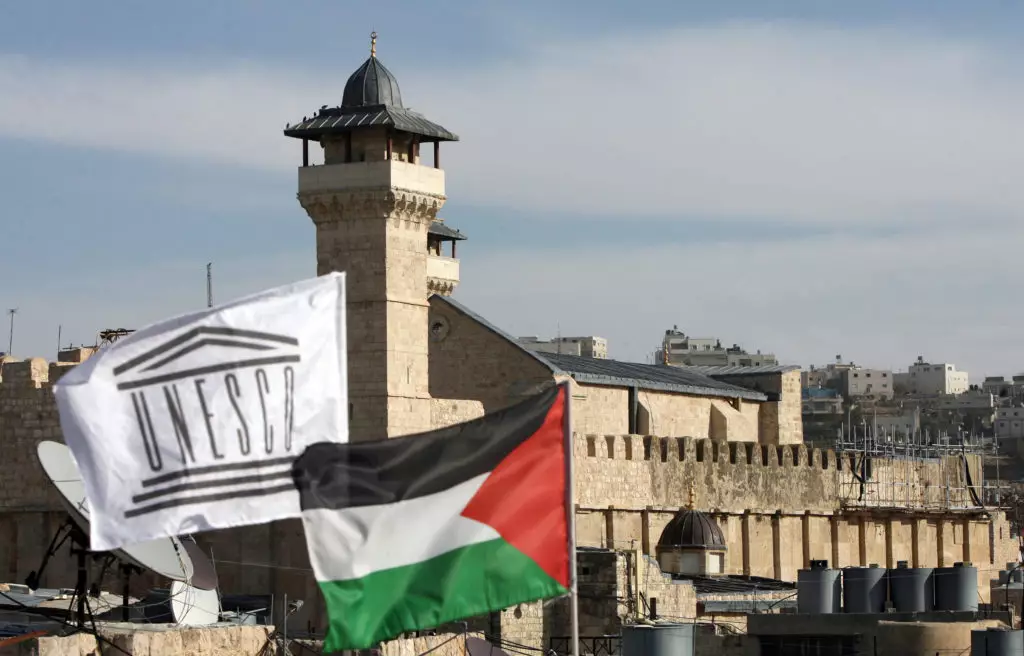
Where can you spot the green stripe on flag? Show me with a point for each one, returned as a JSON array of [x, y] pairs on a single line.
[[459, 584]]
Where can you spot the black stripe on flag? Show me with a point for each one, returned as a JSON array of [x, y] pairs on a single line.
[[335, 475]]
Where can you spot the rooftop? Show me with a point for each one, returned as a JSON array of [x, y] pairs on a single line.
[[439, 229], [666, 378], [743, 371], [371, 99]]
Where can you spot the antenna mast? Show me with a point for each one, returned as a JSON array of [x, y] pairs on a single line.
[[10, 335], [209, 285]]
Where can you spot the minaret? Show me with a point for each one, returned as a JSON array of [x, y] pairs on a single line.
[[373, 203]]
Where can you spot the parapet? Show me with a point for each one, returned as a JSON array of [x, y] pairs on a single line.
[[690, 449], [33, 373]]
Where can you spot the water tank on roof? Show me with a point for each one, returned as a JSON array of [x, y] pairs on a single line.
[[658, 640], [864, 589], [818, 590], [997, 642], [956, 587], [912, 588]]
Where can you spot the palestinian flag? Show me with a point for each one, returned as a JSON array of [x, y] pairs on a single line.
[[413, 532]]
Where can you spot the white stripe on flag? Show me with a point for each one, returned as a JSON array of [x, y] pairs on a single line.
[[354, 542]]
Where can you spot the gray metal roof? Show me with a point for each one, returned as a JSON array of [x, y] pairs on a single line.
[[692, 529], [734, 584], [747, 605], [371, 84], [742, 371], [439, 229], [339, 120], [658, 377]]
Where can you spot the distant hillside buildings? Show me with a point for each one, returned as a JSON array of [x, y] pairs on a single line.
[[587, 347], [932, 378], [679, 348]]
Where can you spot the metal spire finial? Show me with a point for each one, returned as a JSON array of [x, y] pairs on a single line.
[[693, 494], [373, 44]]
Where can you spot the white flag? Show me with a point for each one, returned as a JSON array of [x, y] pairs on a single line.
[[193, 423]]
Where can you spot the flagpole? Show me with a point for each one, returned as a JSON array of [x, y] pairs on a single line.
[[570, 504]]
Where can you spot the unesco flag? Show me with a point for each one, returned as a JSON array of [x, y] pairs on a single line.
[[194, 423]]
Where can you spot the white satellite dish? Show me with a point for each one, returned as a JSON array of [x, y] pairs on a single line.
[[169, 557], [191, 606]]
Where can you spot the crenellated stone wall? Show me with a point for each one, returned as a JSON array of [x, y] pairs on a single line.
[[778, 506]]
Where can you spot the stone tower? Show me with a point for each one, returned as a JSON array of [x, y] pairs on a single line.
[[374, 204]]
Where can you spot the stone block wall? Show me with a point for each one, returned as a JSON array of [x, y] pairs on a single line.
[[470, 361], [781, 422], [635, 471], [779, 506], [446, 412], [613, 586], [605, 410]]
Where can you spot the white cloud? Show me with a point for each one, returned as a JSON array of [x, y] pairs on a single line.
[[782, 121], [774, 121], [877, 301]]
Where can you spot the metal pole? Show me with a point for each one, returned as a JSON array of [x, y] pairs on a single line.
[[570, 503], [209, 284], [10, 338]]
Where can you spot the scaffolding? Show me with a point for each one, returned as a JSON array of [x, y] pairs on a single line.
[[913, 469]]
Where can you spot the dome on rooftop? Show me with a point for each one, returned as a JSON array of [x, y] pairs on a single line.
[[692, 529], [371, 84]]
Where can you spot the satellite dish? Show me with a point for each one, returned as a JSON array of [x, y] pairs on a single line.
[[191, 606], [168, 557], [480, 647], [204, 576]]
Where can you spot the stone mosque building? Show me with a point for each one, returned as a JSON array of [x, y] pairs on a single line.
[[694, 490]]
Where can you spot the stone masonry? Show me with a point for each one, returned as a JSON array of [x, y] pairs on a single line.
[[377, 234], [778, 506]]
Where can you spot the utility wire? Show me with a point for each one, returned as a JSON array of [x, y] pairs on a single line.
[[28, 610]]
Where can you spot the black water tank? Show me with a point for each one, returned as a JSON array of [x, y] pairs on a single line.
[[956, 587], [912, 588], [997, 642], [864, 589], [818, 590]]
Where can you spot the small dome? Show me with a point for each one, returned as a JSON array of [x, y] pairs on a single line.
[[692, 529], [371, 84]]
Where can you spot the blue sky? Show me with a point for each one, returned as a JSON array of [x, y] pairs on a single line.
[[808, 178]]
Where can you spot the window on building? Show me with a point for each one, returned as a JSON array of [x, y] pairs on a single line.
[[885, 375]]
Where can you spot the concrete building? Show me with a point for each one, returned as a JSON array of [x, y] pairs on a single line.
[[969, 401], [1010, 422], [895, 422], [821, 401], [860, 382], [641, 434], [587, 347], [1001, 388], [681, 349], [932, 378]]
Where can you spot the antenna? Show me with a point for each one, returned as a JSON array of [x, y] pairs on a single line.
[[209, 284], [58, 340], [194, 600], [10, 334]]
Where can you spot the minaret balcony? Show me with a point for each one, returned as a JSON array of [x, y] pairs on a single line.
[[327, 178], [442, 274]]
